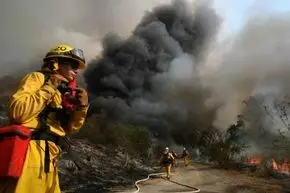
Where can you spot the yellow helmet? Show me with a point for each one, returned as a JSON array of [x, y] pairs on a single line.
[[66, 51]]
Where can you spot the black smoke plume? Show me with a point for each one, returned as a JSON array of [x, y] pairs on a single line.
[[151, 78]]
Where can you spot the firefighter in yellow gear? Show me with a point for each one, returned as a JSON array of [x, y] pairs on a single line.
[[167, 160], [33, 96], [185, 156]]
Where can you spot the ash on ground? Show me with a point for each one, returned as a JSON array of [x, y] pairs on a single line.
[[102, 169]]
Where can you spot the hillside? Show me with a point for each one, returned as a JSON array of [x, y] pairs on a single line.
[[104, 169]]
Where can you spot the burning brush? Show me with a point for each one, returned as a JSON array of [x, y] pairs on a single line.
[[274, 165]]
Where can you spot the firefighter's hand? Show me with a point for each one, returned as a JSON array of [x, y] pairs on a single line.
[[82, 97], [55, 80]]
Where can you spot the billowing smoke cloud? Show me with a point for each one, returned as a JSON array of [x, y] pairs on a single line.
[[151, 78], [30, 28], [257, 63], [252, 79]]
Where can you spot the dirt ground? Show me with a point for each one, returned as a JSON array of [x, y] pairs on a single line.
[[211, 180]]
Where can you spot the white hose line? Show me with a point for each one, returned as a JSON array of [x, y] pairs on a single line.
[[145, 179], [160, 174]]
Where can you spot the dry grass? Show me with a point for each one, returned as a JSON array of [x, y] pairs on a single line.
[[255, 184], [248, 182]]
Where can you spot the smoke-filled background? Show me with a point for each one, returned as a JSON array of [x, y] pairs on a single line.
[[253, 80], [166, 68], [152, 78], [29, 29]]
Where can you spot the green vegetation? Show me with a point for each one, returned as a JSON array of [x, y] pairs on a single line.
[[130, 139], [223, 149]]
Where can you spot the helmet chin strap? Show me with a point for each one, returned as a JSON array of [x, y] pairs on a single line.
[[53, 66]]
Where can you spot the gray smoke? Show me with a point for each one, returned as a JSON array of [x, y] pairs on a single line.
[[151, 78], [255, 69], [29, 28]]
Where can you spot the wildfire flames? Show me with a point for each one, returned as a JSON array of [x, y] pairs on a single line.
[[255, 161], [283, 168], [277, 167]]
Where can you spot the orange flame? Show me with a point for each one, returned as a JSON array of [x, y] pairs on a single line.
[[277, 167], [255, 160], [283, 168]]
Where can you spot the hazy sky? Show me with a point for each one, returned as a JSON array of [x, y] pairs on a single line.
[[29, 28], [237, 11]]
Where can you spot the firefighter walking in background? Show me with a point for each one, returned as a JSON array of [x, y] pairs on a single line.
[[185, 156], [49, 104], [167, 160]]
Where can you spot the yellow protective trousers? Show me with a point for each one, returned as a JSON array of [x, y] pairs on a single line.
[[185, 160], [33, 178], [167, 168]]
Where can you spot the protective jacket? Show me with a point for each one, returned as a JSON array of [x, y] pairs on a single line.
[[167, 158], [33, 96]]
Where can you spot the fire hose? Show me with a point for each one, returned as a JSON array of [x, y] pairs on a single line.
[[193, 189]]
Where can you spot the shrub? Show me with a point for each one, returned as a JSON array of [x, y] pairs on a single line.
[[222, 149], [131, 139]]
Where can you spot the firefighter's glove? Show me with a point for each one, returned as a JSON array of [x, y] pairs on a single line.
[[82, 97], [55, 80]]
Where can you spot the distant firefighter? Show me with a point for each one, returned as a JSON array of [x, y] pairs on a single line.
[[185, 156], [167, 160]]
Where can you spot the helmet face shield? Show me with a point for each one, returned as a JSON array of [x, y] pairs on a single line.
[[78, 53], [70, 62]]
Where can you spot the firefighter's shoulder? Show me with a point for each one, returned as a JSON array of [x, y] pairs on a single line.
[[34, 76]]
